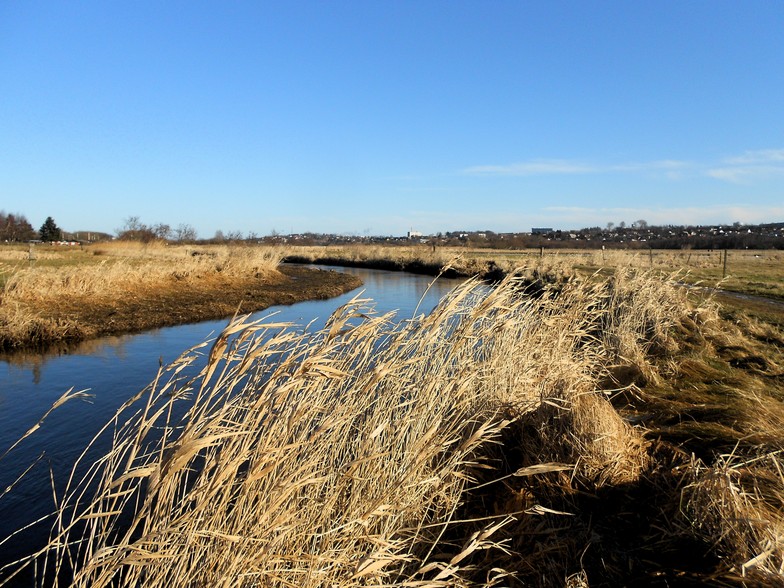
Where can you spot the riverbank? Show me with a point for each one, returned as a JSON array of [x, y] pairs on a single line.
[[436, 266], [759, 273], [74, 298]]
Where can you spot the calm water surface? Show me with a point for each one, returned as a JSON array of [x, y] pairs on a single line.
[[113, 369]]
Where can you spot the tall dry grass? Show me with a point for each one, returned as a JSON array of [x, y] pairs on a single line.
[[132, 266], [118, 272], [362, 454]]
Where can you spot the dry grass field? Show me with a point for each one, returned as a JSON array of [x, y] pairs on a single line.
[[747, 271], [70, 293], [549, 431]]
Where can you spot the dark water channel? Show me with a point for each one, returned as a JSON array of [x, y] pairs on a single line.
[[112, 370]]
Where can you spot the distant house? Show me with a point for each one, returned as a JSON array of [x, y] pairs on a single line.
[[541, 230], [414, 234]]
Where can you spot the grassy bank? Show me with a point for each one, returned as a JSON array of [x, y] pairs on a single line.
[[71, 294], [750, 272], [579, 433]]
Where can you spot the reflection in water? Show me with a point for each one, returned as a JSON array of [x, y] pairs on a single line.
[[33, 361], [112, 369]]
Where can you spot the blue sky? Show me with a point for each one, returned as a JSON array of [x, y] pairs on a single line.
[[378, 117]]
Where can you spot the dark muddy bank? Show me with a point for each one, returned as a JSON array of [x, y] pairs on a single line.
[[485, 270]]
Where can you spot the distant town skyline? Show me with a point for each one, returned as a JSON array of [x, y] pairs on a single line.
[[379, 118]]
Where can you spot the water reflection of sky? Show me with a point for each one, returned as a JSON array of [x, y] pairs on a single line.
[[114, 368]]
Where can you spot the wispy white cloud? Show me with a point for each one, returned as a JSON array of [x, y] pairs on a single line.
[[534, 167], [750, 166], [759, 157], [539, 167], [747, 167], [662, 165]]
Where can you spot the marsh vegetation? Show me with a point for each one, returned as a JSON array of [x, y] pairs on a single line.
[[552, 430], [758, 272]]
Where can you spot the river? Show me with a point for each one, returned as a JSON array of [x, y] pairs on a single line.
[[111, 370]]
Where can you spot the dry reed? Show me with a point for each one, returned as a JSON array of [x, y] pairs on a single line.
[[738, 505], [361, 454]]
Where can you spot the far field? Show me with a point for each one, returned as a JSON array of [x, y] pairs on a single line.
[[754, 272], [52, 293]]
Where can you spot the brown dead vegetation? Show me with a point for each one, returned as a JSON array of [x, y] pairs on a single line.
[[597, 433]]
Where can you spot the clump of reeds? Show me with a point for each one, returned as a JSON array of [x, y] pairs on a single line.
[[443, 450], [303, 459], [17, 324]]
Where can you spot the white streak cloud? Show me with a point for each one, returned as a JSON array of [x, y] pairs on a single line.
[[746, 168], [545, 167], [534, 167], [760, 157]]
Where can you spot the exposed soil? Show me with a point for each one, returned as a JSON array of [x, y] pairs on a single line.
[[184, 302]]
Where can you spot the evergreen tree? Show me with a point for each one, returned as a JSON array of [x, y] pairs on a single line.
[[50, 231]]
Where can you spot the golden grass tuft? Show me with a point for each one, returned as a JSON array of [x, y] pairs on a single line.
[[738, 505]]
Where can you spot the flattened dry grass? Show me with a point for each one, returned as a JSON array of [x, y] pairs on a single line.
[[474, 446], [722, 402]]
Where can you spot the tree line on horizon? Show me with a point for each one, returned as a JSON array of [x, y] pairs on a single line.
[[15, 228]]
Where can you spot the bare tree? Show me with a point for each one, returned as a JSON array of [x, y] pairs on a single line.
[[184, 233], [162, 231], [135, 230], [15, 227]]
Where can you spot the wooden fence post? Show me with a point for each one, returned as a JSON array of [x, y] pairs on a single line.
[[31, 255]]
